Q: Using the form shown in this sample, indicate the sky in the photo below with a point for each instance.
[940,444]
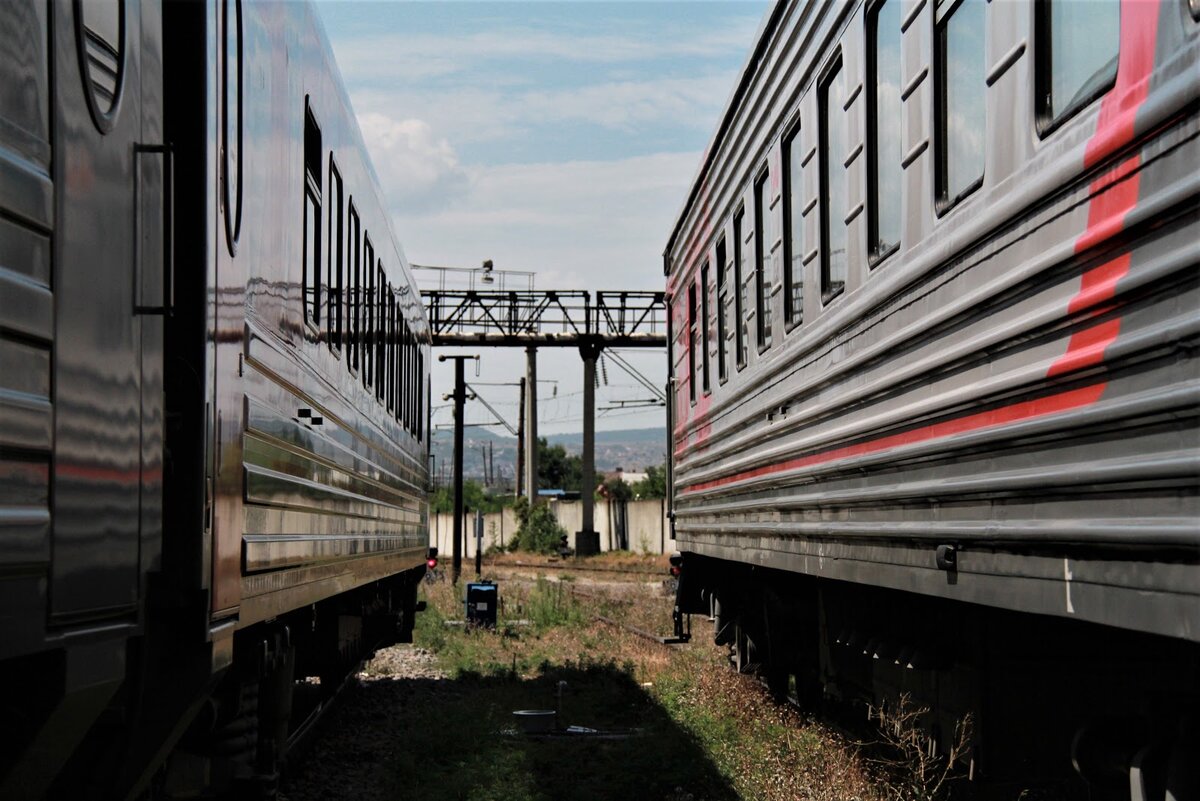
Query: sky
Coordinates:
[553,137]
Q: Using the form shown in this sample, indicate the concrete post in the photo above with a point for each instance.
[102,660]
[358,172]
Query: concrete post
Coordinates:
[587,539]
[531,436]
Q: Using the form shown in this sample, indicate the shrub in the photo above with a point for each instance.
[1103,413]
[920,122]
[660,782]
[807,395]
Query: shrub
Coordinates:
[538,530]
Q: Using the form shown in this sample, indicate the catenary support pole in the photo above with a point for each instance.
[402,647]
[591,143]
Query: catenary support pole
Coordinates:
[587,539]
[460,397]
[531,434]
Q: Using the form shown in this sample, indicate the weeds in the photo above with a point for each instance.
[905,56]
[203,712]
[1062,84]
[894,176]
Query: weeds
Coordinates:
[913,767]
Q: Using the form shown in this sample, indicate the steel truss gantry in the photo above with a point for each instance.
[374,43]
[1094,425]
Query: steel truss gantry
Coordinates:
[548,318]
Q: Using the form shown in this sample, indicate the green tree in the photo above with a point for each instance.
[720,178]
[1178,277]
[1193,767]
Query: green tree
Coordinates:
[558,469]
[474,497]
[538,529]
[617,489]
[654,485]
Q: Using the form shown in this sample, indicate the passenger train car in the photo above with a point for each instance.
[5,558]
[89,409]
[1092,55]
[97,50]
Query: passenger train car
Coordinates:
[935,307]
[213,399]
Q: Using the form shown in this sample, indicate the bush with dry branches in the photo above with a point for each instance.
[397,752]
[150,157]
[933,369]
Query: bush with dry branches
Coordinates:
[912,766]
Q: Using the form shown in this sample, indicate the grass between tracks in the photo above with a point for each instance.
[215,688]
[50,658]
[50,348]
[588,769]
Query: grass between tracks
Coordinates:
[699,731]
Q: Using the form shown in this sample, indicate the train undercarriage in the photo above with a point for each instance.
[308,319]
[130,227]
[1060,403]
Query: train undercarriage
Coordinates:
[1029,704]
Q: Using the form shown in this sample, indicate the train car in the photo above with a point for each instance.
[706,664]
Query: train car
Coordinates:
[935,306]
[213,400]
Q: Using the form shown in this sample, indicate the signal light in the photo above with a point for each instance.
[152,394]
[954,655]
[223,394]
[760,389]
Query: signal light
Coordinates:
[676,570]
[431,562]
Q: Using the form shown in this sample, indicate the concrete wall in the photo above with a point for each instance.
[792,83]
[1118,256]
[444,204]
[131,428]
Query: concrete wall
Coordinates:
[645,521]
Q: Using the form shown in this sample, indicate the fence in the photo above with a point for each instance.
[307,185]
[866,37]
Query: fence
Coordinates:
[639,526]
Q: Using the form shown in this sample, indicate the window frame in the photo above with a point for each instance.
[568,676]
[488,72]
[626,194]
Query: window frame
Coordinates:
[1043,69]
[722,260]
[692,337]
[875,254]
[311,273]
[705,317]
[836,64]
[366,299]
[792,316]
[762,252]
[354,284]
[943,11]
[334,253]
[380,339]
[740,332]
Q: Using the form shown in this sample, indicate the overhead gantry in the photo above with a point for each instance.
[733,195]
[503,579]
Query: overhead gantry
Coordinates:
[589,321]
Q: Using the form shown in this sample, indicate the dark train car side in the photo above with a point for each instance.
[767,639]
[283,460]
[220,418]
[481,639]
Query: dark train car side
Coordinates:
[214,448]
[935,426]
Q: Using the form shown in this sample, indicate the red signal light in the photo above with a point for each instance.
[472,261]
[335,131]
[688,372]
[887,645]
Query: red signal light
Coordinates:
[676,570]
[431,562]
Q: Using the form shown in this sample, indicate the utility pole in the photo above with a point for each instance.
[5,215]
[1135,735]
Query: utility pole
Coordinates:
[587,540]
[460,397]
[531,435]
[520,477]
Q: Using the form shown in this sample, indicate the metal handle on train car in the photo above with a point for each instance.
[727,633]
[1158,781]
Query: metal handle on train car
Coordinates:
[168,153]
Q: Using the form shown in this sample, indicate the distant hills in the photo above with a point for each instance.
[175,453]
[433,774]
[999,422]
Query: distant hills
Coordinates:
[632,449]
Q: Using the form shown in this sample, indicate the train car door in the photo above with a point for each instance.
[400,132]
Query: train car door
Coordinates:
[108,273]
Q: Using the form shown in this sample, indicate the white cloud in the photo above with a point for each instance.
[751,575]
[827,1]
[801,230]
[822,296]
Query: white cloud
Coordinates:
[419,171]
[384,56]
[580,225]
[478,114]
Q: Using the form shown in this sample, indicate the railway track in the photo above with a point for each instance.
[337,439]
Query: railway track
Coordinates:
[301,737]
[576,568]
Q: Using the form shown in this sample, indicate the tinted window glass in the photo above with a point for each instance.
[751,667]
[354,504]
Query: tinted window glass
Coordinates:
[312,256]
[885,124]
[722,312]
[334,277]
[833,182]
[704,332]
[764,236]
[793,235]
[367,293]
[963,115]
[1083,38]
[692,344]
[355,264]
[739,287]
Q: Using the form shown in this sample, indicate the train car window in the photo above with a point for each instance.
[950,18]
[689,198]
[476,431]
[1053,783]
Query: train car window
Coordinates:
[693,343]
[355,266]
[403,389]
[101,56]
[312,218]
[394,351]
[381,364]
[335,276]
[763,237]
[704,327]
[417,385]
[793,229]
[412,376]
[739,288]
[1077,56]
[961,95]
[884,173]
[834,147]
[722,312]
[231,130]
[367,292]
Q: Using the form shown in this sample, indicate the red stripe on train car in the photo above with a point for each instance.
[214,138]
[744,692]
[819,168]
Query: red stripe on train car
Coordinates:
[1114,194]
[1038,407]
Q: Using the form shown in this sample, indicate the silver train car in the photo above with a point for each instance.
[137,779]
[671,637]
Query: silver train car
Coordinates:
[213,396]
[935,309]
